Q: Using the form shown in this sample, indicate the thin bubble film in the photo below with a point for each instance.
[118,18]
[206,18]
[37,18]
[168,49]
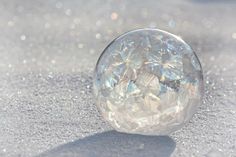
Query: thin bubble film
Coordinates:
[148,81]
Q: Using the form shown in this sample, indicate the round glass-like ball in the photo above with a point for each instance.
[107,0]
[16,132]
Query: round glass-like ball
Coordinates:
[148,81]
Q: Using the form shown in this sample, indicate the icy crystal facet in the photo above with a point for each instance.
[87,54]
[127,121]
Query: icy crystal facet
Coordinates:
[148,81]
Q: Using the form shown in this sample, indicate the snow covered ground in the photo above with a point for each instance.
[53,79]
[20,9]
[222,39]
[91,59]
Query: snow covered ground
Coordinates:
[48,50]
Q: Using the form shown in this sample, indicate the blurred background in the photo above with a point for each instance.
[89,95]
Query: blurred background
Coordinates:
[48,50]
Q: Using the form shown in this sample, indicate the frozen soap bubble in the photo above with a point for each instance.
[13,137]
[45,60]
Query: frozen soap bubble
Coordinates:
[149,82]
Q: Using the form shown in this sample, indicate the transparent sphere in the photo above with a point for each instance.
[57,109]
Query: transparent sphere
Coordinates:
[148,81]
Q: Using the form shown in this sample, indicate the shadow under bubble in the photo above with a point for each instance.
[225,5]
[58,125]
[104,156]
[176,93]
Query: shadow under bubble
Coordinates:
[115,144]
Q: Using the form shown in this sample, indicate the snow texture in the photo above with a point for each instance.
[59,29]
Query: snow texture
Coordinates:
[48,50]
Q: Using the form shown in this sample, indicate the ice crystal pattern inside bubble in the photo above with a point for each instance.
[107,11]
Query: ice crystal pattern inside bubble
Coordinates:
[148,82]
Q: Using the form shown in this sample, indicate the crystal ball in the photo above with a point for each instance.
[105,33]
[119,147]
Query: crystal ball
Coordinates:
[149,82]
